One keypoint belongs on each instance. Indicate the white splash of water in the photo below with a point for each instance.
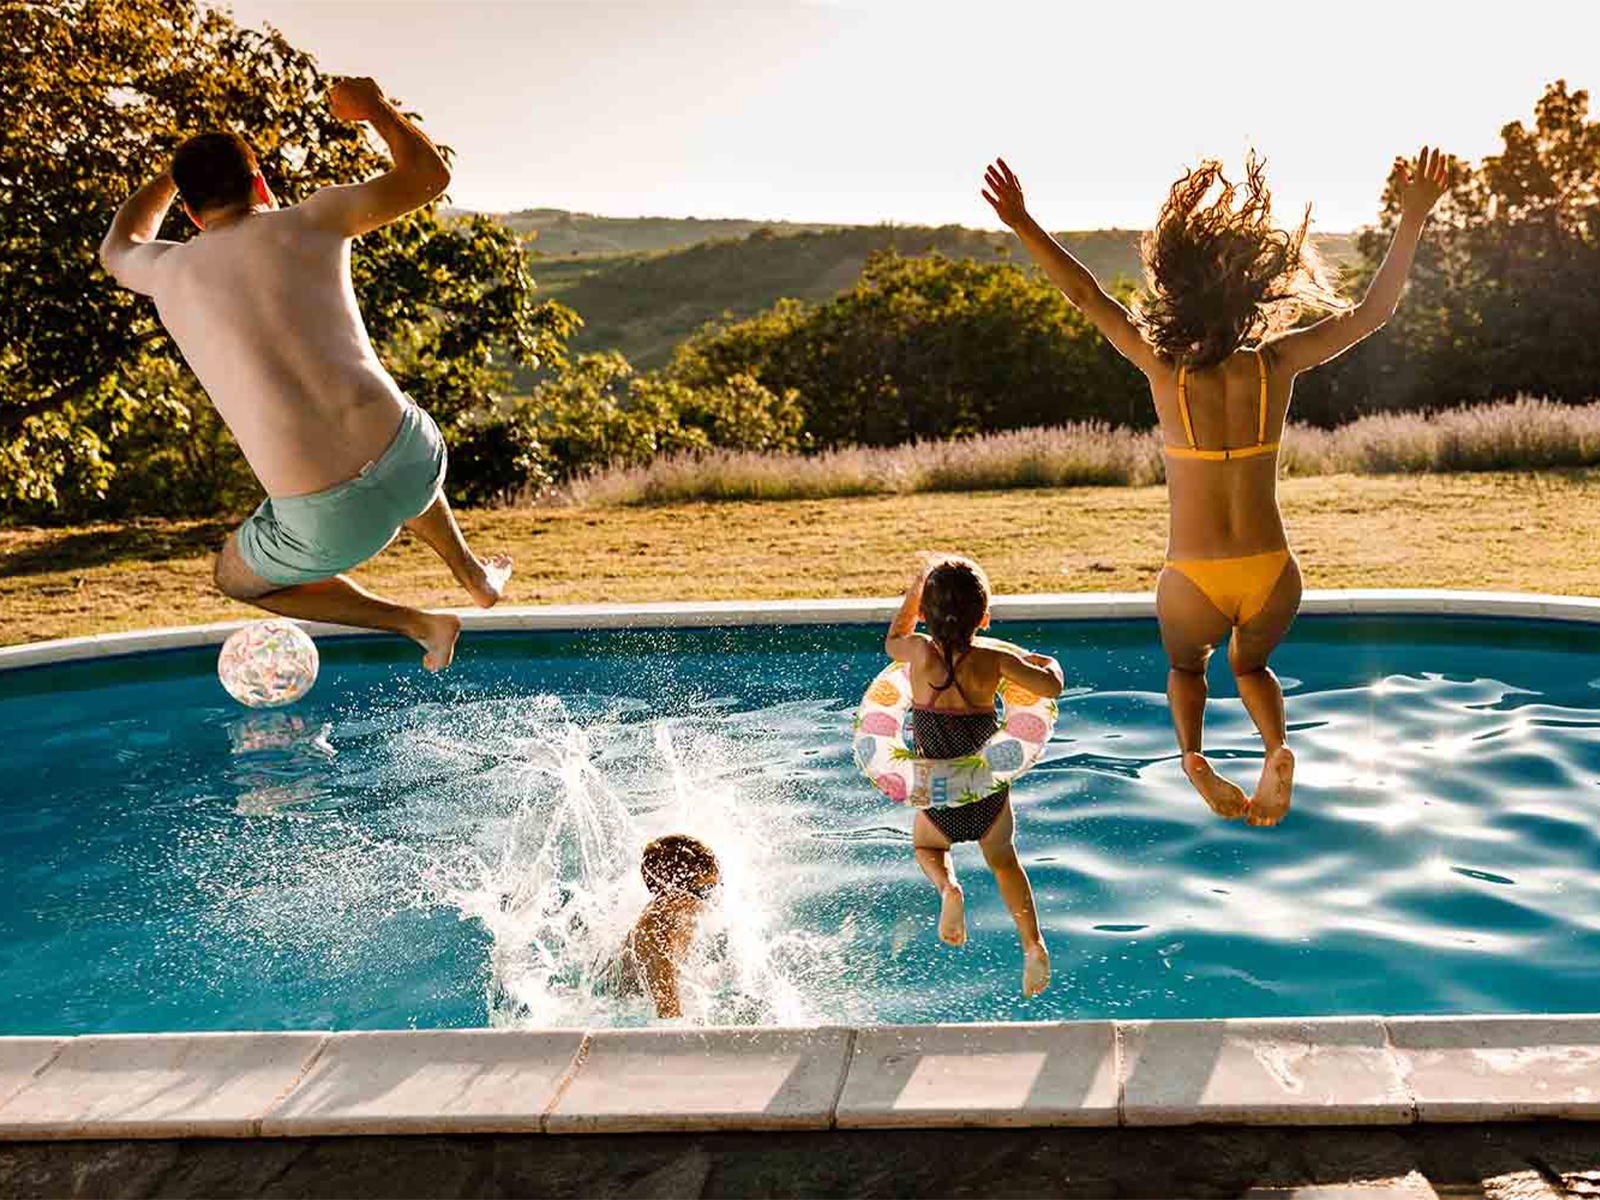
(552, 874)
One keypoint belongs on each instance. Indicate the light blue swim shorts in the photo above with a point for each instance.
(301, 539)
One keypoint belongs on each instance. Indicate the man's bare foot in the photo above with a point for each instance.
(1271, 802)
(1035, 970)
(437, 635)
(488, 582)
(1226, 799)
(953, 916)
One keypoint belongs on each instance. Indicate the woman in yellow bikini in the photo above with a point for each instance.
(1214, 334)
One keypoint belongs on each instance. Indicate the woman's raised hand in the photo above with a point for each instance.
(1004, 194)
(1423, 182)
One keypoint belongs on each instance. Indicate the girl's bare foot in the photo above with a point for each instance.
(1035, 970)
(1226, 799)
(1271, 801)
(436, 634)
(488, 583)
(953, 916)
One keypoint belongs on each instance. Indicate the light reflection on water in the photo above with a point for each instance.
(400, 850)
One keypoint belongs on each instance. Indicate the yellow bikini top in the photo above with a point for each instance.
(1262, 446)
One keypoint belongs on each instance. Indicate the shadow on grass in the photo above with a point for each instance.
(137, 541)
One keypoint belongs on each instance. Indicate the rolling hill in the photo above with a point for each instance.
(643, 285)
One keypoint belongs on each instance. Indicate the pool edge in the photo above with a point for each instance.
(1338, 1071)
(712, 614)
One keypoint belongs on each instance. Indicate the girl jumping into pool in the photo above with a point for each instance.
(954, 675)
(1213, 335)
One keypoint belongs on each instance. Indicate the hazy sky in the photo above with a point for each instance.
(886, 110)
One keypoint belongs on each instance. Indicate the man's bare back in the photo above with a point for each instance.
(265, 314)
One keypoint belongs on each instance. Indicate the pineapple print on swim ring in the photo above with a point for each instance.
(885, 756)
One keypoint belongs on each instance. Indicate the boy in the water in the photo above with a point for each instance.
(261, 305)
(681, 873)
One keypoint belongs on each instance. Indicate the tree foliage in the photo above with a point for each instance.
(96, 94)
(1504, 297)
(926, 348)
(599, 412)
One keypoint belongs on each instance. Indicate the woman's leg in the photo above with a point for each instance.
(1000, 852)
(1191, 628)
(1263, 697)
(932, 849)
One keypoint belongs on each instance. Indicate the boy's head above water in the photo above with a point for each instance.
(679, 863)
(955, 600)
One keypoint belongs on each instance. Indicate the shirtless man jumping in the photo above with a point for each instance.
(261, 305)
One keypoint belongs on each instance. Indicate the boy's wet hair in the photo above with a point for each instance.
(679, 862)
(1218, 277)
(955, 598)
(213, 170)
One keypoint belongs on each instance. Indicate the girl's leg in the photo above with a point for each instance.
(484, 578)
(933, 856)
(1000, 852)
(1191, 628)
(1263, 697)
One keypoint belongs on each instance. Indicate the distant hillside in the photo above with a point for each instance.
(561, 234)
(653, 291)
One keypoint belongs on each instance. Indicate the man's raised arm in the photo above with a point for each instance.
(130, 250)
(419, 173)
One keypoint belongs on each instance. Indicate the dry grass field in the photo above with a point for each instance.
(1512, 531)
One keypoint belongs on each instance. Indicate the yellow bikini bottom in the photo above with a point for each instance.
(1239, 587)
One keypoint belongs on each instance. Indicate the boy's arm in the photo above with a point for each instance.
(419, 173)
(1039, 673)
(129, 252)
(1076, 281)
(1301, 349)
(903, 642)
(661, 938)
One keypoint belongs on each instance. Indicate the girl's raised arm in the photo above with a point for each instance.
(902, 642)
(1076, 281)
(1424, 182)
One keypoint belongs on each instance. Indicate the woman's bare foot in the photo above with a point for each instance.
(436, 634)
(1226, 799)
(488, 583)
(1035, 970)
(953, 916)
(1271, 801)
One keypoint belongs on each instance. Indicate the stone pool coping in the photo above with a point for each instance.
(1311, 1071)
(1366, 1071)
(709, 614)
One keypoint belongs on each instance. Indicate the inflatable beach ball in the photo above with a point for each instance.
(268, 663)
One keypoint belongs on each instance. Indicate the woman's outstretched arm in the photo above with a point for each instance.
(1004, 194)
(1424, 182)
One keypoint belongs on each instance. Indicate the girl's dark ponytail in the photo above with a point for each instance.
(955, 599)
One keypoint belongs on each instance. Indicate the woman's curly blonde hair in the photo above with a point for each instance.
(1217, 277)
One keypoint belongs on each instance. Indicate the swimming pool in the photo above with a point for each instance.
(402, 850)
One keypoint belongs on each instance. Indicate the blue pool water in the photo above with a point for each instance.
(406, 850)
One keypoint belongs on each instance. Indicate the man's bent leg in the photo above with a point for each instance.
(484, 578)
(339, 601)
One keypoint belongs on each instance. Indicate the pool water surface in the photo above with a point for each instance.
(402, 850)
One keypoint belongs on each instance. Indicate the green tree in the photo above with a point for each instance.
(922, 348)
(96, 94)
(1504, 298)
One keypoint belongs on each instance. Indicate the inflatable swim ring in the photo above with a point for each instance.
(886, 757)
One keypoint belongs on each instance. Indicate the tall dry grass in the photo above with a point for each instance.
(1512, 435)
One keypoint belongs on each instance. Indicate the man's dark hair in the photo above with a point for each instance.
(213, 170)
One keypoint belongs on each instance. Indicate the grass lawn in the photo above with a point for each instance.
(1534, 531)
